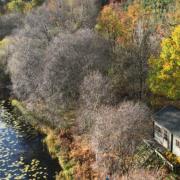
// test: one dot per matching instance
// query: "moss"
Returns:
(19, 105)
(22, 109)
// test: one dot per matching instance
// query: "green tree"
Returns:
(164, 74)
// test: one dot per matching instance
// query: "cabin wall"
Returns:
(160, 137)
(157, 136)
(176, 149)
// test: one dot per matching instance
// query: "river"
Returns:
(22, 153)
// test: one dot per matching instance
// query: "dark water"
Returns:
(22, 153)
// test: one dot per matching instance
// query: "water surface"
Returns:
(22, 153)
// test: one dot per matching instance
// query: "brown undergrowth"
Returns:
(72, 151)
(78, 155)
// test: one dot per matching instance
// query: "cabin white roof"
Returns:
(169, 117)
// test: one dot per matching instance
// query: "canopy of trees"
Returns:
(104, 63)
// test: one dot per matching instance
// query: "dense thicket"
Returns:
(49, 60)
(66, 56)
(69, 58)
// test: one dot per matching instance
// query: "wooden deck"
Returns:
(159, 151)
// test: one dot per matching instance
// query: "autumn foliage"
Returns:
(164, 74)
(109, 23)
(99, 62)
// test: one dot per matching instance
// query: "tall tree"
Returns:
(109, 24)
(164, 74)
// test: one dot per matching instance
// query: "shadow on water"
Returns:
(22, 152)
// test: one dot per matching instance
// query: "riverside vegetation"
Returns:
(88, 74)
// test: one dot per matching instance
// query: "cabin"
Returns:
(167, 129)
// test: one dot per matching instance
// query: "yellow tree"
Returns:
(16, 6)
(164, 74)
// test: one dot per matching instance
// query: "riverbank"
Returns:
(72, 151)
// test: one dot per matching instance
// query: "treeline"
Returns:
(102, 62)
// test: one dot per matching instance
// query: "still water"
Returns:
(22, 153)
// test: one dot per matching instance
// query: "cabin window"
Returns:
(158, 130)
(165, 135)
(177, 143)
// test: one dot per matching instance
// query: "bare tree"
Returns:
(129, 69)
(77, 14)
(69, 58)
(95, 90)
(40, 24)
(117, 133)
(27, 53)
(25, 66)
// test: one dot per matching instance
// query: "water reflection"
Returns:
(22, 154)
